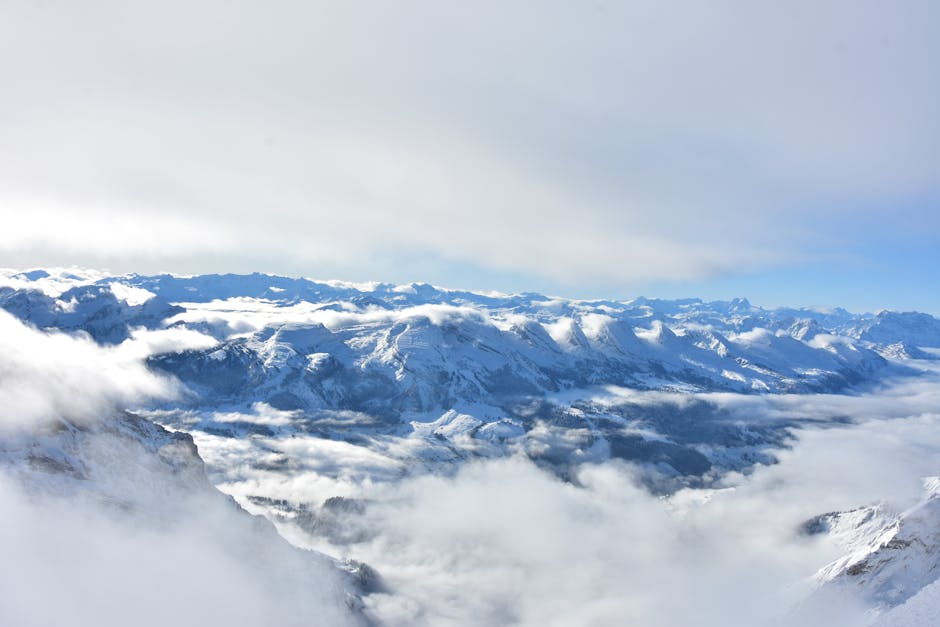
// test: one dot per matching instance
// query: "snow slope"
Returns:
(123, 480)
(892, 559)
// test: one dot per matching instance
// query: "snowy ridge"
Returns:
(471, 374)
(890, 557)
(408, 331)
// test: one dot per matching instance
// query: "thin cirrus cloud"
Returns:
(564, 142)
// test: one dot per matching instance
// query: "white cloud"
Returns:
(505, 542)
(54, 283)
(196, 562)
(129, 294)
(146, 342)
(242, 314)
(574, 142)
(141, 538)
(262, 414)
(48, 375)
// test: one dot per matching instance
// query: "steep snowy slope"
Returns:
(890, 557)
(921, 610)
(110, 519)
(128, 480)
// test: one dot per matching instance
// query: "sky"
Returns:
(785, 152)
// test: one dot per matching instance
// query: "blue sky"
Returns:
(786, 152)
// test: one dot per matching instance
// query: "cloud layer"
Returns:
(604, 143)
(53, 375)
(46, 375)
(193, 562)
(504, 542)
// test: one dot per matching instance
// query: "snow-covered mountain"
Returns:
(281, 380)
(122, 476)
(475, 373)
(890, 557)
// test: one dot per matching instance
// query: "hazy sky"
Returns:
(788, 152)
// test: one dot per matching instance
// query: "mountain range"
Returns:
(289, 375)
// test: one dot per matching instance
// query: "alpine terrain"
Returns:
(288, 425)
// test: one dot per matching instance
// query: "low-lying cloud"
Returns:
(196, 563)
(99, 529)
(49, 375)
(505, 542)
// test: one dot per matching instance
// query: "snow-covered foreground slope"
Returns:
(890, 557)
(920, 610)
(110, 519)
(500, 459)
(115, 523)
